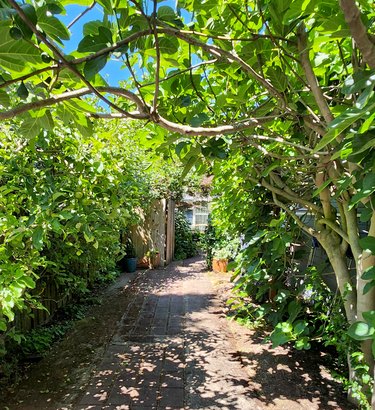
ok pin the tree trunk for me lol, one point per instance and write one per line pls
(330, 242)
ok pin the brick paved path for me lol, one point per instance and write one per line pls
(172, 350)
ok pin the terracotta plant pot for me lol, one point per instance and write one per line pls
(219, 265)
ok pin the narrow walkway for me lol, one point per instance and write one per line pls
(172, 350)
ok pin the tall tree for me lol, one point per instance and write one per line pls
(291, 80)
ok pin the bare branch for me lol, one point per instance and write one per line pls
(358, 30)
(254, 36)
(271, 154)
(74, 21)
(310, 123)
(195, 131)
(209, 132)
(157, 71)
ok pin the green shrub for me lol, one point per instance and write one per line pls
(186, 246)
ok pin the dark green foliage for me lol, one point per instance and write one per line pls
(186, 246)
(209, 241)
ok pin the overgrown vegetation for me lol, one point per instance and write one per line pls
(186, 246)
(277, 284)
(282, 91)
(66, 198)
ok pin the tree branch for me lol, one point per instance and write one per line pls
(74, 21)
(298, 221)
(358, 30)
(229, 56)
(333, 225)
(283, 141)
(293, 198)
(29, 75)
(60, 56)
(141, 114)
(310, 76)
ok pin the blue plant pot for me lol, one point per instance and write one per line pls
(130, 265)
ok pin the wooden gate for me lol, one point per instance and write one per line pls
(155, 231)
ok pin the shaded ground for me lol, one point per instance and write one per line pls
(162, 341)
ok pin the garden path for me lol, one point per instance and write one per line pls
(172, 347)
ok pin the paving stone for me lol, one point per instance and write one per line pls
(171, 398)
(168, 352)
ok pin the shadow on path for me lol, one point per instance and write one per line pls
(173, 349)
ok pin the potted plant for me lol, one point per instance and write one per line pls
(223, 253)
(129, 262)
(153, 258)
(220, 259)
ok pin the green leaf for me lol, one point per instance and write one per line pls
(270, 168)
(368, 243)
(368, 287)
(180, 147)
(191, 162)
(4, 99)
(91, 28)
(364, 128)
(15, 33)
(15, 54)
(369, 273)
(367, 188)
(88, 235)
(361, 331)
(168, 45)
(52, 26)
(341, 123)
(22, 91)
(294, 308)
(303, 344)
(199, 119)
(257, 236)
(300, 327)
(92, 67)
(322, 187)
(3, 325)
(93, 43)
(278, 79)
(166, 13)
(28, 281)
(359, 81)
(31, 126)
(31, 15)
(369, 316)
(282, 334)
(282, 295)
(55, 8)
(38, 238)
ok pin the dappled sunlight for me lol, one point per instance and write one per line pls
(173, 349)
